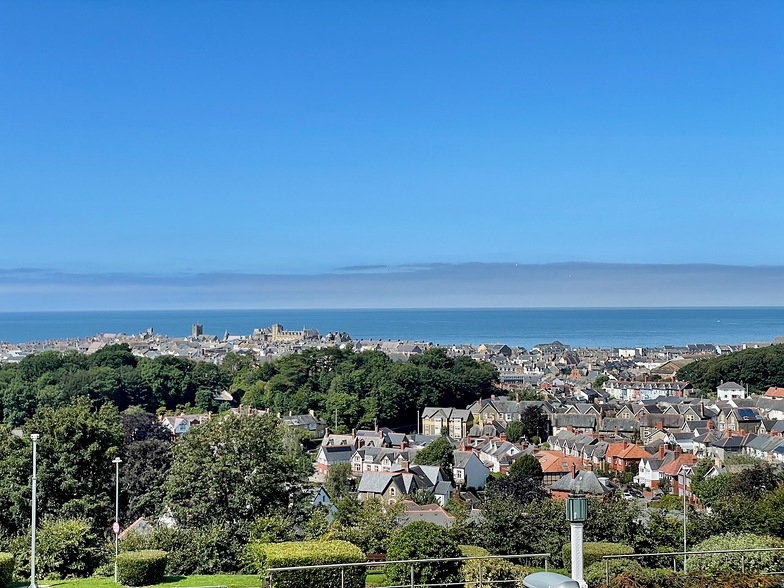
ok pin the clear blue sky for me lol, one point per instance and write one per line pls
(300, 137)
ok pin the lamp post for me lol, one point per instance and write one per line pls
(116, 527)
(683, 491)
(576, 513)
(34, 437)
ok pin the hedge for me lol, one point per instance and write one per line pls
(595, 574)
(6, 568)
(141, 568)
(595, 551)
(310, 553)
(670, 579)
(747, 561)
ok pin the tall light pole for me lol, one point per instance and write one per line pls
(576, 513)
(34, 438)
(116, 527)
(683, 491)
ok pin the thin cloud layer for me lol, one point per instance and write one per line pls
(569, 285)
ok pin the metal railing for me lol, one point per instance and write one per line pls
(685, 555)
(478, 583)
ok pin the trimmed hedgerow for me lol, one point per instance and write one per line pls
(595, 551)
(141, 568)
(7, 562)
(309, 553)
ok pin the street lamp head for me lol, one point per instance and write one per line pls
(34, 436)
(576, 507)
(116, 460)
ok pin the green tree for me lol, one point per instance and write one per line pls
(336, 482)
(367, 524)
(535, 422)
(515, 431)
(147, 458)
(526, 465)
(422, 540)
(75, 451)
(422, 496)
(230, 471)
(273, 528)
(438, 452)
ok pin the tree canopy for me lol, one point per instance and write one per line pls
(759, 368)
(438, 452)
(230, 471)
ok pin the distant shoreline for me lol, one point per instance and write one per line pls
(525, 327)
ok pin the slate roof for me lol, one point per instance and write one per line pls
(585, 481)
(337, 453)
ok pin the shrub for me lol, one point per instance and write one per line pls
(310, 553)
(751, 561)
(67, 548)
(210, 550)
(670, 579)
(422, 540)
(481, 572)
(7, 562)
(141, 568)
(594, 552)
(472, 551)
(594, 574)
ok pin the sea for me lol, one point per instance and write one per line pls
(526, 327)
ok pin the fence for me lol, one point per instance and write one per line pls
(480, 583)
(685, 555)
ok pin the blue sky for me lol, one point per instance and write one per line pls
(297, 138)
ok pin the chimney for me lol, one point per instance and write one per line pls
(404, 465)
(729, 433)
(625, 444)
(353, 433)
(502, 436)
(616, 431)
(402, 445)
(677, 450)
(710, 424)
(570, 428)
(659, 425)
(574, 471)
(492, 397)
(661, 451)
(702, 409)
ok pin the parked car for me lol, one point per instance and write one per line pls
(627, 494)
(637, 492)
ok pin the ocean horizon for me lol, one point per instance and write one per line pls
(526, 327)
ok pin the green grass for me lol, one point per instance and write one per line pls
(376, 578)
(229, 580)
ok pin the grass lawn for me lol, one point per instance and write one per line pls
(376, 578)
(229, 580)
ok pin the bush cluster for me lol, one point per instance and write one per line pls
(211, 550)
(594, 552)
(7, 562)
(661, 578)
(310, 553)
(141, 568)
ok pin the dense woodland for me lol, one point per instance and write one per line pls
(359, 387)
(759, 368)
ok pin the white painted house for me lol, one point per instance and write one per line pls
(730, 391)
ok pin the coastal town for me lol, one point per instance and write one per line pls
(600, 415)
